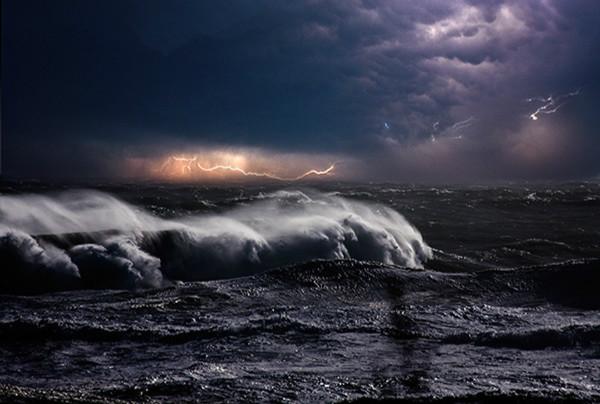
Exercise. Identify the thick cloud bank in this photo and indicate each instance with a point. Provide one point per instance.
(88, 239)
(432, 90)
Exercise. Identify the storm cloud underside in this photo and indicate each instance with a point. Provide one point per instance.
(364, 80)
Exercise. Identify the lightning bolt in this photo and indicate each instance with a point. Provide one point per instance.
(452, 129)
(327, 171)
(461, 124)
(550, 104)
(188, 167)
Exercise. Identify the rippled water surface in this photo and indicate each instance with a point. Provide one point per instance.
(263, 293)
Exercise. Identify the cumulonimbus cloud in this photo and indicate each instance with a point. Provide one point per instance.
(355, 72)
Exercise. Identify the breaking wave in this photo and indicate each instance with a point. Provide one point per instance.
(88, 239)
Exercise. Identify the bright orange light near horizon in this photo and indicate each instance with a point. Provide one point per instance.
(226, 165)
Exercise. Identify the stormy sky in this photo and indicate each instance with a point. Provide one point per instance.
(400, 90)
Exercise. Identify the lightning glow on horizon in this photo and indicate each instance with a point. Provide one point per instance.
(189, 165)
(550, 104)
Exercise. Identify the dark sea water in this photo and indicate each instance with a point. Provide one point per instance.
(334, 292)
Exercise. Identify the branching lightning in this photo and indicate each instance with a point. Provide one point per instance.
(451, 132)
(189, 165)
(219, 167)
(550, 104)
(186, 167)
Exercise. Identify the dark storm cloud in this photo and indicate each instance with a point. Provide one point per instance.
(87, 84)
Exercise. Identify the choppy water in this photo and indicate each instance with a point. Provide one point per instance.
(471, 294)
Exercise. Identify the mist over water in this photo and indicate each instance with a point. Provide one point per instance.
(90, 239)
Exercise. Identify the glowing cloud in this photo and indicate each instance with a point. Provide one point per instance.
(212, 165)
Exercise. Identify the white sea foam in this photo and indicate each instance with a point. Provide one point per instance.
(142, 250)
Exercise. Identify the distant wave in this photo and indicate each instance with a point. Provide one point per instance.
(88, 239)
(565, 337)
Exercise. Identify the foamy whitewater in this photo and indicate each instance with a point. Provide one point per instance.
(191, 293)
(89, 239)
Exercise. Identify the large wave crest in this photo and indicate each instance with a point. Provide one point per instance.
(89, 239)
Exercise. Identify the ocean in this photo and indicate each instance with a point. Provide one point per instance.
(320, 292)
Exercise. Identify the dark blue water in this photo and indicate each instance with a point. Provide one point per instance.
(190, 293)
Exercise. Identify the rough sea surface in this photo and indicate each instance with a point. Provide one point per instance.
(272, 293)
